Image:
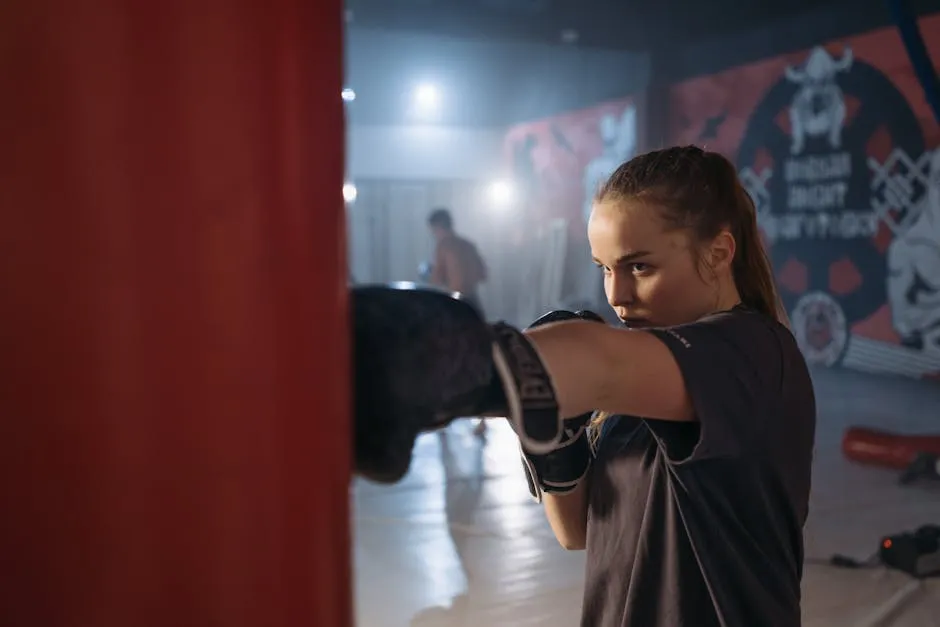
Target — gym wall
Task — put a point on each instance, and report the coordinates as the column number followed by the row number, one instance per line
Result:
column 559, row 162
column 835, row 144
column 389, row 237
column 483, row 83
column 403, row 163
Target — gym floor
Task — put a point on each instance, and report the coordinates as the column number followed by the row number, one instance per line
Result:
column 459, row 542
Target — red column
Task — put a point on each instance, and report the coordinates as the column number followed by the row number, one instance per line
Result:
column 173, row 334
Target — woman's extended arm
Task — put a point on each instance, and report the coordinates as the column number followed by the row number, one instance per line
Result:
column 597, row 367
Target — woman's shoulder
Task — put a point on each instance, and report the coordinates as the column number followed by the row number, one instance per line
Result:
column 759, row 324
column 750, row 324
column 740, row 327
column 770, row 346
column 728, row 347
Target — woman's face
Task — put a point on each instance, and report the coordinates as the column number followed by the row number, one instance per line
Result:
column 651, row 273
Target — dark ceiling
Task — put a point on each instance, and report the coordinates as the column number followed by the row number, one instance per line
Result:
column 638, row 25
column 620, row 24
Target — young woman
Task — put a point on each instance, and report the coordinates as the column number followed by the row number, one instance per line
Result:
column 693, row 507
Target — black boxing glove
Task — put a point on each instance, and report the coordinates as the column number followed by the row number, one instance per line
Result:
column 423, row 358
column 561, row 469
column 590, row 316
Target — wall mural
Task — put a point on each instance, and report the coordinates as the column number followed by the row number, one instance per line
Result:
column 560, row 162
column 839, row 151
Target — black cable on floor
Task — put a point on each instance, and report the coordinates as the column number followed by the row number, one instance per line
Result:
column 844, row 561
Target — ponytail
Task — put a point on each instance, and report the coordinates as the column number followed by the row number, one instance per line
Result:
column 753, row 273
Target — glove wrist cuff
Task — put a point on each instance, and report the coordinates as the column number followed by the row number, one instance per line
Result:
column 561, row 470
column 529, row 396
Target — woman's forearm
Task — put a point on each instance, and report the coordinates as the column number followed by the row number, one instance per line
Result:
column 567, row 515
column 597, row 367
column 574, row 354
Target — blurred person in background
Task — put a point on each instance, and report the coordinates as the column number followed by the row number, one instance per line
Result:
column 457, row 266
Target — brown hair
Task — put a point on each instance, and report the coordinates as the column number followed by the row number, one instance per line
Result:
column 441, row 219
column 700, row 191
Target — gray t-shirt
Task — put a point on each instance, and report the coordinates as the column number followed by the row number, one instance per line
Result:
column 700, row 524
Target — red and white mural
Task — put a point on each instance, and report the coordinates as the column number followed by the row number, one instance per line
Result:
column 560, row 162
column 839, row 150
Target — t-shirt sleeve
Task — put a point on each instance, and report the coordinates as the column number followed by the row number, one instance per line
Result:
column 732, row 364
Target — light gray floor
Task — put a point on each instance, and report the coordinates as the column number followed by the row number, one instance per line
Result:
column 459, row 542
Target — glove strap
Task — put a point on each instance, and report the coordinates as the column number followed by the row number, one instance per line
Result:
column 528, row 390
column 561, row 470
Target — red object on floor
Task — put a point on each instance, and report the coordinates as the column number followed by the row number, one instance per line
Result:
column 882, row 448
column 174, row 392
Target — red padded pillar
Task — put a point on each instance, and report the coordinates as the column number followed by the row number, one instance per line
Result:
column 173, row 335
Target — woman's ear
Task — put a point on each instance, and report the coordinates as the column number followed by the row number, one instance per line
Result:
column 721, row 251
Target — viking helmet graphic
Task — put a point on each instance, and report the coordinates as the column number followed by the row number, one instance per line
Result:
column 820, row 66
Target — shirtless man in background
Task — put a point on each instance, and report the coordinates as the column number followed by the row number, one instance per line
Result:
column 458, row 266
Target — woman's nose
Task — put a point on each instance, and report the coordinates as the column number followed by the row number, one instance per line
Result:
column 620, row 290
